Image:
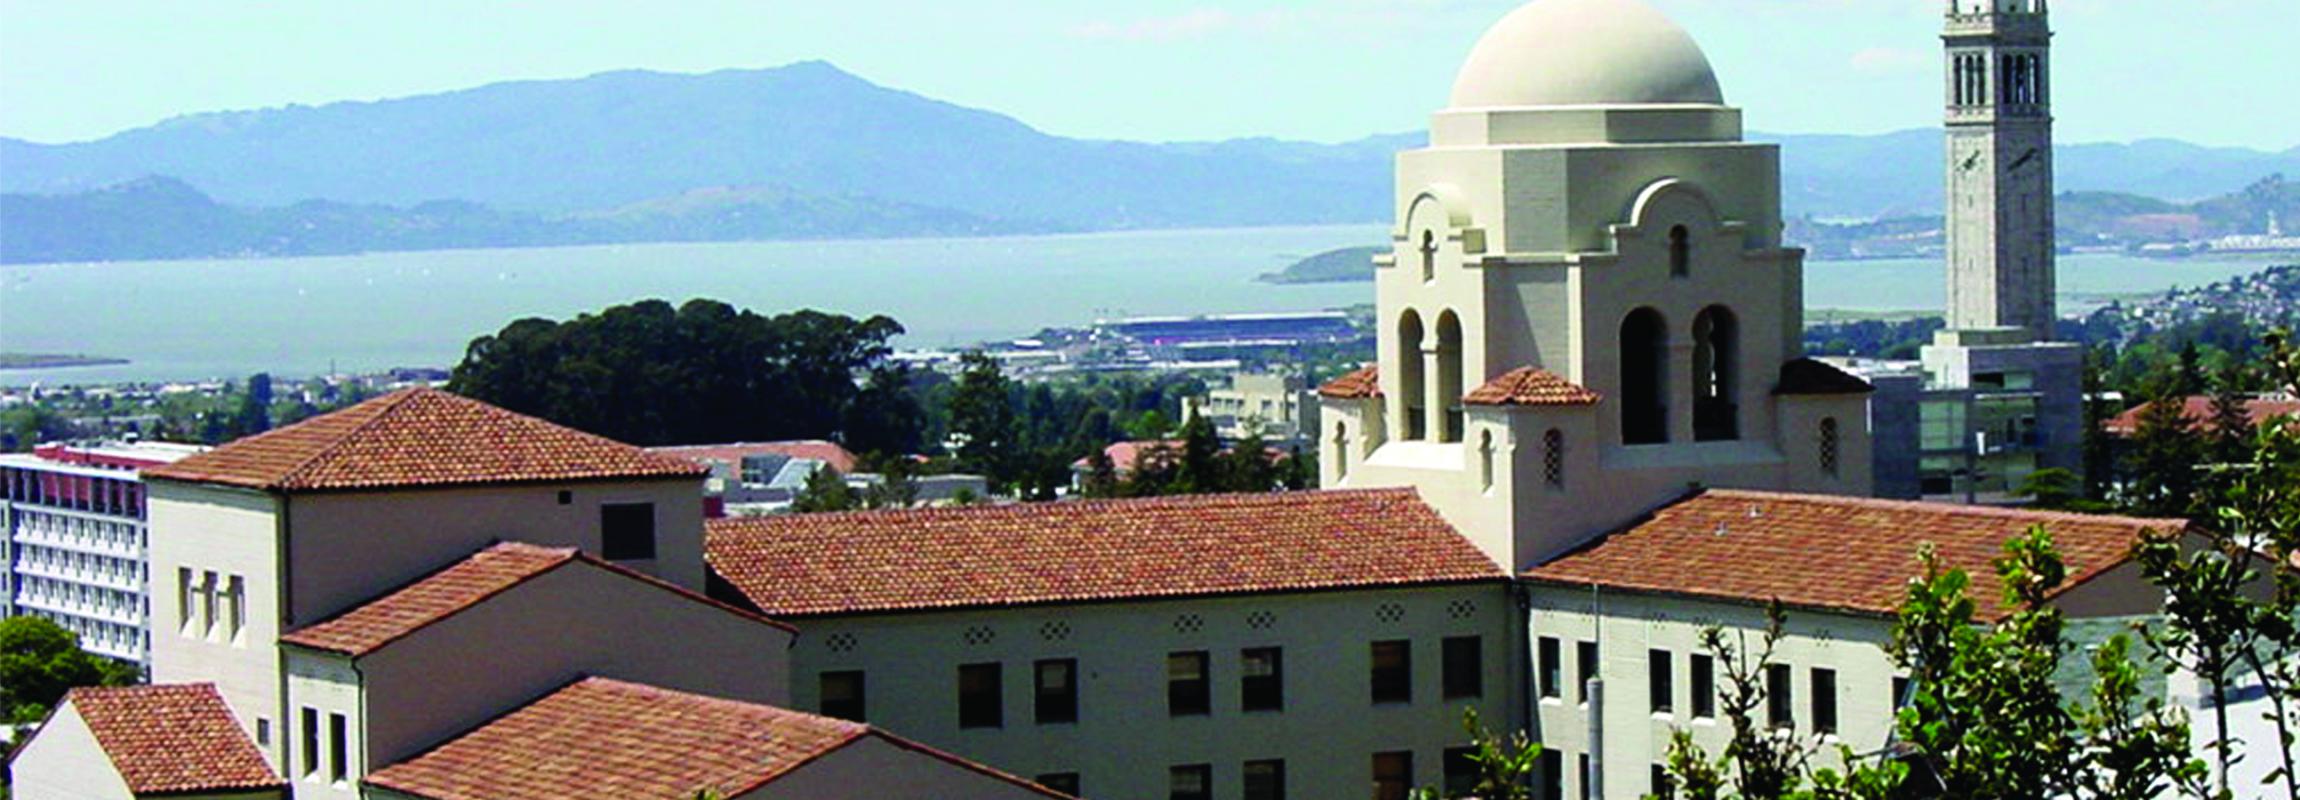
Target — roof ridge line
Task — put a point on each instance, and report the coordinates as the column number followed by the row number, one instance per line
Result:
column 1945, row 508
column 391, row 403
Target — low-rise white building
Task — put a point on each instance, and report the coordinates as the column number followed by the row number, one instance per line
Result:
column 140, row 742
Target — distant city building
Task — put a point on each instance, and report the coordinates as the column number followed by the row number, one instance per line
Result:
column 75, row 550
column 1279, row 407
column 751, row 477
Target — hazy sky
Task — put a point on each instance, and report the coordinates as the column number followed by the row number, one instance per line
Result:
column 2211, row 71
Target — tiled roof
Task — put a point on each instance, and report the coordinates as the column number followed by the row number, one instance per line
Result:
column 1357, row 385
column 607, row 738
column 419, row 437
column 827, row 452
column 2198, row 411
column 172, row 739
column 1841, row 553
column 1089, row 551
column 1810, row 376
column 445, row 593
column 1530, row 386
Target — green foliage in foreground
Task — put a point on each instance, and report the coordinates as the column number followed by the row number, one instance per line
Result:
column 40, row 660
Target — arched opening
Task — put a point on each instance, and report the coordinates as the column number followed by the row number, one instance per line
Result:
column 1828, row 447
column 1716, row 370
column 1485, row 460
column 1644, row 378
column 1680, row 252
column 1429, row 250
column 1553, row 459
column 1447, row 399
column 1410, row 417
column 1341, row 451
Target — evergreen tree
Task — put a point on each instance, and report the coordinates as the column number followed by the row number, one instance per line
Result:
column 1200, row 470
column 1101, row 475
column 1247, row 467
column 2162, row 460
column 825, row 490
column 2231, row 426
column 982, row 414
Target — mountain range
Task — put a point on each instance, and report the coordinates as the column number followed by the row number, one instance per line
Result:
column 808, row 150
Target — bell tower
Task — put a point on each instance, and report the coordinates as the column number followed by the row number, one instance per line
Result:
column 2000, row 214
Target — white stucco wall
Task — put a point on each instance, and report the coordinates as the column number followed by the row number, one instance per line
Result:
column 207, row 528
column 63, row 762
column 350, row 547
column 327, row 684
column 1125, row 740
column 578, row 620
column 875, row 767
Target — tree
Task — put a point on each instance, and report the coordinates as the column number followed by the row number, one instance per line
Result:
column 1247, row 467
column 2231, row 428
column 2056, row 489
column 1200, row 468
column 825, row 490
column 40, row 660
column 1504, row 763
column 886, row 416
column 24, row 426
column 983, row 418
column 2163, row 458
column 254, row 412
column 1101, row 475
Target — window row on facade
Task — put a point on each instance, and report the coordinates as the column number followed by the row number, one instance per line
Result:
column 210, row 605
column 70, row 597
column 1260, row 683
column 66, row 565
column 113, row 496
column 1781, row 688
column 1390, row 774
column 123, row 537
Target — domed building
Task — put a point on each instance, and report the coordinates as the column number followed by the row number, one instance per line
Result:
column 1588, row 309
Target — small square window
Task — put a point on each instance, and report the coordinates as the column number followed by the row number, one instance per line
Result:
column 981, row 699
column 627, row 531
column 1393, row 775
column 1265, row 780
column 1552, row 668
column 842, row 695
column 566, row 498
column 1261, row 679
column 1190, row 782
column 1464, row 667
column 1393, row 672
column 1057, row 691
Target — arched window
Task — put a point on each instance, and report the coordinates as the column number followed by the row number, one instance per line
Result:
column 1447, row 396
column 1429, row 256
column 1410, row 417
column 1680, row 253
column 1553, row 459
column 1716, row 370
column 1485, row 460
column 1644, row 378
column 1341, row 451
column 1828, row 446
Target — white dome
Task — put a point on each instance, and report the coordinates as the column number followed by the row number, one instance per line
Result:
column 1585, row 52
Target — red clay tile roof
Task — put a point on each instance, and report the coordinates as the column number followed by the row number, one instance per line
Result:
column 467, row 583
column 1839, row 553
column 419, row 437
column 607, row 738
column 827, row 452
column 2198, row 411
column 1810, row 376
column 1357, row 385
column 1529, row 386
column 173, row 739
column 1090, row 551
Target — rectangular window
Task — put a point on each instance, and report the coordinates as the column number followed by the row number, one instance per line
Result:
column 981, row 698
column 1187, row 693
column 310, row 741
column 338, row 748
column 1661, row 785
column 1581, row 768
column 1460, row 771
column 236, row 607
column 1265, row 780
column 263, row 731
column 1393, row 672
column 1261, row 679
column 1824, row 691
column 1584, row 668
column 1393, row 775
column 1704, row 686
column 1900, row 693
column 1190, row 782
column 842, row 695
column 184, row 600
column 1780, row 697
column 1660, row 681
column 1552, row 667
column 627, row 531
column 1464, row 667
column 1057, row 691
column 1064, row 782
column 1552, row 774
column 209, row 584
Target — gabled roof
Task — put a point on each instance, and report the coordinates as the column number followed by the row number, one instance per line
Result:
column 827, row 452
column 1811, row 376
column 607, row 738
column 872, row 561
column 463, row 585
column 1530, row 386
column 2197, row 410
column 1833, row 553
column 1357, row 385
column 419, row 437
column 172, row 739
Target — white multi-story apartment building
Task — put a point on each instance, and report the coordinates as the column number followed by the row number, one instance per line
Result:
column 75, row 542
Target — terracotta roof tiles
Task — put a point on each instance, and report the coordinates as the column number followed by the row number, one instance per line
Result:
column 1530, row 386
column 607, row 738
column 807, row 564
column 2197, row 410
column 419, row 437
column 1357, row 385
column 1848, row 554
column 172, row 739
